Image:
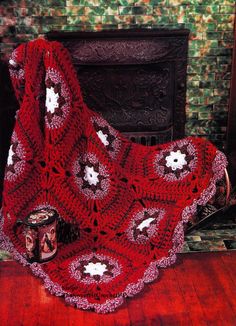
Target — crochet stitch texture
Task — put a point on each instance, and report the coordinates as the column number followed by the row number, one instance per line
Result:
column 129, row 201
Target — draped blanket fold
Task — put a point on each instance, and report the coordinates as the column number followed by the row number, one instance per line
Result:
column 129, row 201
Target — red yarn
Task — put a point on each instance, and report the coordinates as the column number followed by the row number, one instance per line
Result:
column 130, row 201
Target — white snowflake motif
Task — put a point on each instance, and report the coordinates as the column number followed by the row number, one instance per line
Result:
column 10, row 156
column 13, row 63
column 51, row 100
column 103, row 137
column 90, row 175
column 145, row 223
column 176, row 160
column 95, row 269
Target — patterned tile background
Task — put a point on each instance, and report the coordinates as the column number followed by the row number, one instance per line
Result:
column 210, row 48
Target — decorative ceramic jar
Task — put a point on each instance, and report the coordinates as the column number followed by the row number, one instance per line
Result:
column 41, row 235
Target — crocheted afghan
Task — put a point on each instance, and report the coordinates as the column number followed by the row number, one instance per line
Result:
column 129, row 201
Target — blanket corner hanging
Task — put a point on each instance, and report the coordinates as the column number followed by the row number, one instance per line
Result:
column 129, row 201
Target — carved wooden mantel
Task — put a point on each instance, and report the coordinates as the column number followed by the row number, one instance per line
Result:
column 135, row 78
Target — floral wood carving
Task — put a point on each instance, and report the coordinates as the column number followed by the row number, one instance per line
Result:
column 136, row 79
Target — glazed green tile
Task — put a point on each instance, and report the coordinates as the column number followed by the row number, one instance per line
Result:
column 181, row 2
column 75, row 11
column 222, row 116
column 111, row 19
column 206, row 44
column 136, row 10
column 194, row 237
column 214, row 35
column 69, row 28
column 228, row 36
column 195, row 53
column 213, row 99
column 80, row 27
column 97, row 11
column 225, row 26
column 161, row 20
column 47, row 28
column 164, row 26
column 226, row 44
column 160, row 10
column 4, row 255
column 227, row 9
column 218, row 108
column 59, row 3
column 209, row 27
column 220, row 52
column 130, row 19
column 218, row 2
column 202, row 61
column 194, row 69
column 87, row 2
column 29, row 3
column 89, row 19
column 225, row 234
column 193, row 84
column 126, row 2
column 185, row 248
column 200, row 92
column 193, row 18
column 206, row 84
column 206, row 245
column 27, row 21
column 40, row 11
column 230, row 244
column 223, row 76
column 193, row 108
column 146, row 19
column 219, row 18
column 205, row 108
column 222, row 84
column 204, row 115
column 196, row 100
column 125, row 10
column 223, row 68
column 58, row 11
column 206, row 77
column 157, row 2
column 192, row 115
column 210, row 9
column 148, row 10
column 221, row 92
column 202, row 27
column 112, row 9
column 19, row 12
column 132, row 26
column 49, row 20
column 27, row 29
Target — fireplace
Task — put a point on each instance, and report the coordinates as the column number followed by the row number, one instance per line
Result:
column 135, row 78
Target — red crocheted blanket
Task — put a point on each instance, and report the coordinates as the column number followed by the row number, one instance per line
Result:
column 130, row 201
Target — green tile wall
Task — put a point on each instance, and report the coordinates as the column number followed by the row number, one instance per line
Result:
column 210, row 48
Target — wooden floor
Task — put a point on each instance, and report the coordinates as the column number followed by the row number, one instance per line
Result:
column 199, row 290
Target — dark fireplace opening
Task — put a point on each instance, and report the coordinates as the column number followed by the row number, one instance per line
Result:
column 135, row 78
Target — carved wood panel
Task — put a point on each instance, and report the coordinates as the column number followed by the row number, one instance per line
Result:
column 136, row 79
